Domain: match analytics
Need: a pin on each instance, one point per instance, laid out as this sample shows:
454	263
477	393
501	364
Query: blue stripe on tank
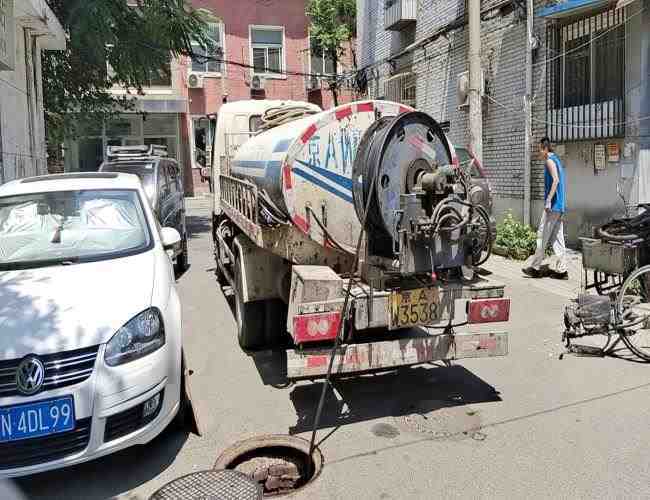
344	182
318	182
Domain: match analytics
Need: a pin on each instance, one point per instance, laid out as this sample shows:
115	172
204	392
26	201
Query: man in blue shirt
551	230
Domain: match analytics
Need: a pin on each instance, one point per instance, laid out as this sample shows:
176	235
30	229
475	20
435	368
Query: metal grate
401	88
585	90
41	450
61	370
129	421
211	484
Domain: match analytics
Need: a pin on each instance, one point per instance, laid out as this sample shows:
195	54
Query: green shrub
517	239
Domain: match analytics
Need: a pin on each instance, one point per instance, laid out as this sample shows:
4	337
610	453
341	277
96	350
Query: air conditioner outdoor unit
462	88
313	83
257	82
194	81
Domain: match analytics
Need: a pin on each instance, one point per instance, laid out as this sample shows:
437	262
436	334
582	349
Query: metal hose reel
406	160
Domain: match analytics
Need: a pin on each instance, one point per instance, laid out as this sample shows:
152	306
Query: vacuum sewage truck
358	224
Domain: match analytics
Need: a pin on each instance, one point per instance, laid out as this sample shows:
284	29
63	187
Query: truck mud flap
370	356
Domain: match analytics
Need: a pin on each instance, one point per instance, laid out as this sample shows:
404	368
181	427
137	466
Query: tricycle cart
615	302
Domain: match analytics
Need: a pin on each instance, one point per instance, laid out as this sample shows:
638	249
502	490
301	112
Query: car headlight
142	335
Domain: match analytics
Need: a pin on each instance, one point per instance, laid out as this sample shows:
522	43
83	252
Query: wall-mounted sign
600	158
613	152
628	150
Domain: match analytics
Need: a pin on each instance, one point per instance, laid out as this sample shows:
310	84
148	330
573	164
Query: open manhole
280	464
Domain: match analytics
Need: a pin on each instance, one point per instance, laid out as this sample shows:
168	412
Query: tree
333	25
112	42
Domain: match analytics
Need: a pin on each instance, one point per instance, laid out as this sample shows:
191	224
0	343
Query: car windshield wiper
29	264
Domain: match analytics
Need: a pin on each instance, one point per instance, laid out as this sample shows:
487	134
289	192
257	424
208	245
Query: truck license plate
413	307
36	419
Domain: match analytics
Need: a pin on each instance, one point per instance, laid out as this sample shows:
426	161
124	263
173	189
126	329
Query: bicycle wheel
633	312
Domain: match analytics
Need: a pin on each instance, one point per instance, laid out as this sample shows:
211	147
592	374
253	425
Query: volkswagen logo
30	375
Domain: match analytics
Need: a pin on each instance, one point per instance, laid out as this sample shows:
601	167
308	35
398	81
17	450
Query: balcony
399	14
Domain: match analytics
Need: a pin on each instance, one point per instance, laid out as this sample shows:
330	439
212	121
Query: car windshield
65	227
143	170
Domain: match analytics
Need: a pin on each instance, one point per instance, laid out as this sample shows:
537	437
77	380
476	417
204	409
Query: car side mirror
171	238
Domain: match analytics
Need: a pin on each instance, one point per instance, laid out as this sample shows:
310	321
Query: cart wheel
633	312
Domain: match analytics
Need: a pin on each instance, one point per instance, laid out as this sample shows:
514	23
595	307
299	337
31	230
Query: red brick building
272	36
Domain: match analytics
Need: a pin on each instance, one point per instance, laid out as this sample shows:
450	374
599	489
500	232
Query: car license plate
413	307
36	419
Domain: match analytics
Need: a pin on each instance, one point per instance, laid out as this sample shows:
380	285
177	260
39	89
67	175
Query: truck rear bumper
414	347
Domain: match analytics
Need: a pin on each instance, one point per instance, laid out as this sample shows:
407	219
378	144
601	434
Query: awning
571	8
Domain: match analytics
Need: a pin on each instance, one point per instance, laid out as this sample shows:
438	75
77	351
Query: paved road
525	426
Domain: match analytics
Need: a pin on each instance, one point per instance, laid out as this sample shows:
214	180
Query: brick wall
437	67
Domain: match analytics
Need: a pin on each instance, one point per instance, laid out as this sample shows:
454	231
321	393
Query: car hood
59	308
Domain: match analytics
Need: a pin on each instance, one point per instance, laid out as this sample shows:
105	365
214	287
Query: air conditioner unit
194	81
313	83
257	82
462	88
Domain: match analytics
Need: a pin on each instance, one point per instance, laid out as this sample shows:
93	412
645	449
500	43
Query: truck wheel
221	277
276	324
250	316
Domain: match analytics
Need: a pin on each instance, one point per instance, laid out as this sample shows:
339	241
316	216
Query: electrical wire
555	124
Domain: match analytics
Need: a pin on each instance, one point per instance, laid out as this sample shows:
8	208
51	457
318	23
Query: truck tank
306	168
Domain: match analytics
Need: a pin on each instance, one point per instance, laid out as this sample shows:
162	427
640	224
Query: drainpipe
475	105
527	109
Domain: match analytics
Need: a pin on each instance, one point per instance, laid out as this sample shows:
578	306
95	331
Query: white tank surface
305	167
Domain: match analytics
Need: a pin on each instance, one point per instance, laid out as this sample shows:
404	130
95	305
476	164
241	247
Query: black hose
488	241
326	232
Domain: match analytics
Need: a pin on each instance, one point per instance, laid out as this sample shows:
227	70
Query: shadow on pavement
390	394
108	476
198	225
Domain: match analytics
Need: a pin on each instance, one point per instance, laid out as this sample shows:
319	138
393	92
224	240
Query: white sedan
90	321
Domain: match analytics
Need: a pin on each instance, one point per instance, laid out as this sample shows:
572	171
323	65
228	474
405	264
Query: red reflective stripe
343	112
301	223
367	107
488	311
404	109
286	170
308	133
316	361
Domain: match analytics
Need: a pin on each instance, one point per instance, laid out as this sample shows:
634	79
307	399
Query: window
321	63
255	122
267	50
586	68
199	64
163	76
172	174
162	183
7	30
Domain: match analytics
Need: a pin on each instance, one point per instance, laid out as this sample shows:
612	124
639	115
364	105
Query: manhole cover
279	464
212	485
445	422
